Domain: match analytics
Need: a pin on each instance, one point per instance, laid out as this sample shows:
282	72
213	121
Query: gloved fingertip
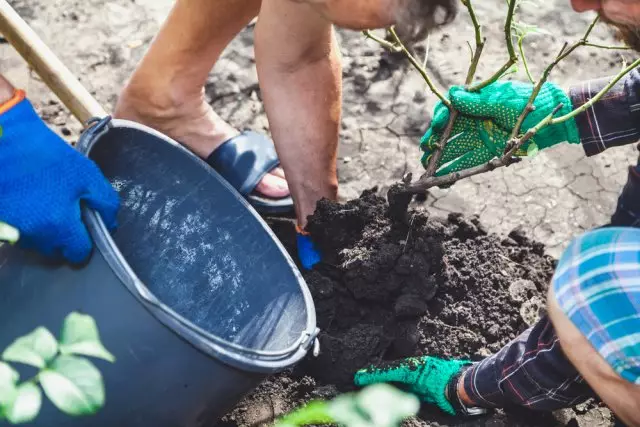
77	243
78	252
307	253
106	202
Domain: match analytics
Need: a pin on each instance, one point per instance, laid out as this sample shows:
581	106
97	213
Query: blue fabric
43	180
307	252
597	285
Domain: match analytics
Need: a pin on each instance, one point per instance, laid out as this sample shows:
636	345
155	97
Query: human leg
531	371
166	91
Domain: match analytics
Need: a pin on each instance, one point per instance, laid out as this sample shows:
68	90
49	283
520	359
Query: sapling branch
516	141
432	165
480	42
416	64
384	43
534	94
598	96
601	46
513	58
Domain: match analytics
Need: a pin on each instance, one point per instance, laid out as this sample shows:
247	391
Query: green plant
514	31
72	382
379	405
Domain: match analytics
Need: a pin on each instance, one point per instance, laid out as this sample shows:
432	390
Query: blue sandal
243	161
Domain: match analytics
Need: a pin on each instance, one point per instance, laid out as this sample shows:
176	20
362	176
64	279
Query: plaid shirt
615	119
597	285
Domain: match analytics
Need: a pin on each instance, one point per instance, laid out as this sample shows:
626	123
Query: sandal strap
244	160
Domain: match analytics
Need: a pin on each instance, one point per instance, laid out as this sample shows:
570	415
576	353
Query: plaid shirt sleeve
612	121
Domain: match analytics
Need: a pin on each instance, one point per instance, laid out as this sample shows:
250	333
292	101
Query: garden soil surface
392	286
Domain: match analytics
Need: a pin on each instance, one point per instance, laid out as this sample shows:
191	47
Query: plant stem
480	42
432	165
534	94
474	19
384	43
419	67
600	46
524	61
513	58
596	98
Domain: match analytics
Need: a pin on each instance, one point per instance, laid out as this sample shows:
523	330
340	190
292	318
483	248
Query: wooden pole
50	69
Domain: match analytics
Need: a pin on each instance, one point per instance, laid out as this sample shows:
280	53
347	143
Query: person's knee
593	305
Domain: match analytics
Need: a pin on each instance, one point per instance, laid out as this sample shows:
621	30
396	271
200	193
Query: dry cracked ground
556	195
387	108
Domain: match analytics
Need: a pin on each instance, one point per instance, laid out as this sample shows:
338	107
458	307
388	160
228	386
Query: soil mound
390	288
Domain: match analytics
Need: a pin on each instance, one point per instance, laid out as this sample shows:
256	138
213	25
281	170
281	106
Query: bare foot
195	124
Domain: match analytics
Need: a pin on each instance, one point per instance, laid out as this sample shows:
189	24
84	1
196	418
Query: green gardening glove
427	377
487	119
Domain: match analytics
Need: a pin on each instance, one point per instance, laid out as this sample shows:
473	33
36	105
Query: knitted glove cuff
17	97
444	373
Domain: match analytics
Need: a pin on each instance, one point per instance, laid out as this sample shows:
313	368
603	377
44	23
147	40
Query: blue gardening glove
42	182
307	252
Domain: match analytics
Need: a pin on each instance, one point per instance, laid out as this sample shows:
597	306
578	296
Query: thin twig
513	58
418	67
598	96
601	46
534	94
384	43
524	61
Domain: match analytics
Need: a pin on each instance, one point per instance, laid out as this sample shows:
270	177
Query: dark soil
389	289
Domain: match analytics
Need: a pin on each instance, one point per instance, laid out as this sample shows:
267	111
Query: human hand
427	377
486	120
43	181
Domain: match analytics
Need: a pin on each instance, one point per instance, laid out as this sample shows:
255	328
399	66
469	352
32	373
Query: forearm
357	14
300	78
612	121
6	90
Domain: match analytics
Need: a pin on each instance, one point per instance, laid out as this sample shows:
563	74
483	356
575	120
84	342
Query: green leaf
532	149
378	405
8	379
26	405
80	336
8	233
313	413
35	349
74	385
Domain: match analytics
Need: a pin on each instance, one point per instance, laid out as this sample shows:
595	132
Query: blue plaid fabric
597	285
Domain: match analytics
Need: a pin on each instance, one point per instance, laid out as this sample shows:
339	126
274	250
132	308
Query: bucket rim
231	353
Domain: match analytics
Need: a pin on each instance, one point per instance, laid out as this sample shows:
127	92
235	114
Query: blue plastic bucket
192	293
